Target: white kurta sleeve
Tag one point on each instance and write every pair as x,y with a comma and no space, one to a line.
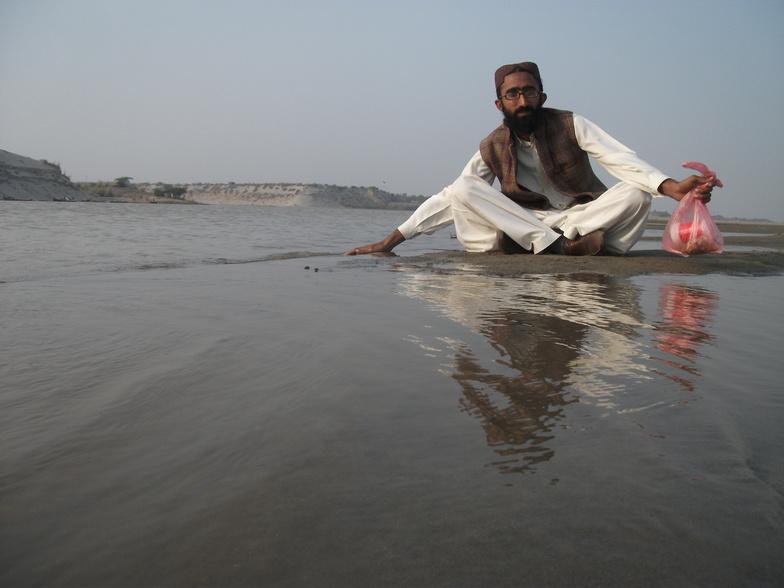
436,212
616,158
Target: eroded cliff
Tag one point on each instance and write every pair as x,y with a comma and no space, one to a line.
24,178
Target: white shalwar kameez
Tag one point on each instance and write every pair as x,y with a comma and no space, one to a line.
481,213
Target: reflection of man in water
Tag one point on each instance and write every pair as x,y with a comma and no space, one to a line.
557,339
549,200
540,348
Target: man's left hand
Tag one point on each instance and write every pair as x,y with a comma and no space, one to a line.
701,185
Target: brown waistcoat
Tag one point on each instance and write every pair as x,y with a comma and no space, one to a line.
565,164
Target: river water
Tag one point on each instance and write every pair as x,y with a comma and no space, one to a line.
213,395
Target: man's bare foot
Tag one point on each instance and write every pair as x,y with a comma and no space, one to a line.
590,244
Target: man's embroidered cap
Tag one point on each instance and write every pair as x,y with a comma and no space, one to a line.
505,70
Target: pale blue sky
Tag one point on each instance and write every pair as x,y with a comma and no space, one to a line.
391,94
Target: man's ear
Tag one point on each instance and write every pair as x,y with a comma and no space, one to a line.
498,105
542,98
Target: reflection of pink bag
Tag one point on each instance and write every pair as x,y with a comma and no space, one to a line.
691,230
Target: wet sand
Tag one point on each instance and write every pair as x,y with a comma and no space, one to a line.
767,257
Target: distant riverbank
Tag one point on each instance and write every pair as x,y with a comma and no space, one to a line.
302,195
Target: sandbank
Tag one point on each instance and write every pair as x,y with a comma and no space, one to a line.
762,243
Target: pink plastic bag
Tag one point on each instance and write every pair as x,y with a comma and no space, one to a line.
691,230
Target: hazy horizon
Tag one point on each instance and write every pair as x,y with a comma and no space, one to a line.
393,95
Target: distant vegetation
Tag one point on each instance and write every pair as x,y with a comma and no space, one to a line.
122,190
169,191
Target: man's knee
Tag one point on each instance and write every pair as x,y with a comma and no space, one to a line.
632,199
465,187
641,200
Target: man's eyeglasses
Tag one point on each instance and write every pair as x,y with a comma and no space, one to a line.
515,94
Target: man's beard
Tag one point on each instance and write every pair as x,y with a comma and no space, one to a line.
524,125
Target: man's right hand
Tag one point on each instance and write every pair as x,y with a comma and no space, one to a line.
382,248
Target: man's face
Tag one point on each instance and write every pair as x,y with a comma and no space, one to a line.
521,114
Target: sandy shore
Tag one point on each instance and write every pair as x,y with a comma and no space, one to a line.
767,239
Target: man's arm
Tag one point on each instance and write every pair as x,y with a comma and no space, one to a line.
394,239
617,158
433,214
625,165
